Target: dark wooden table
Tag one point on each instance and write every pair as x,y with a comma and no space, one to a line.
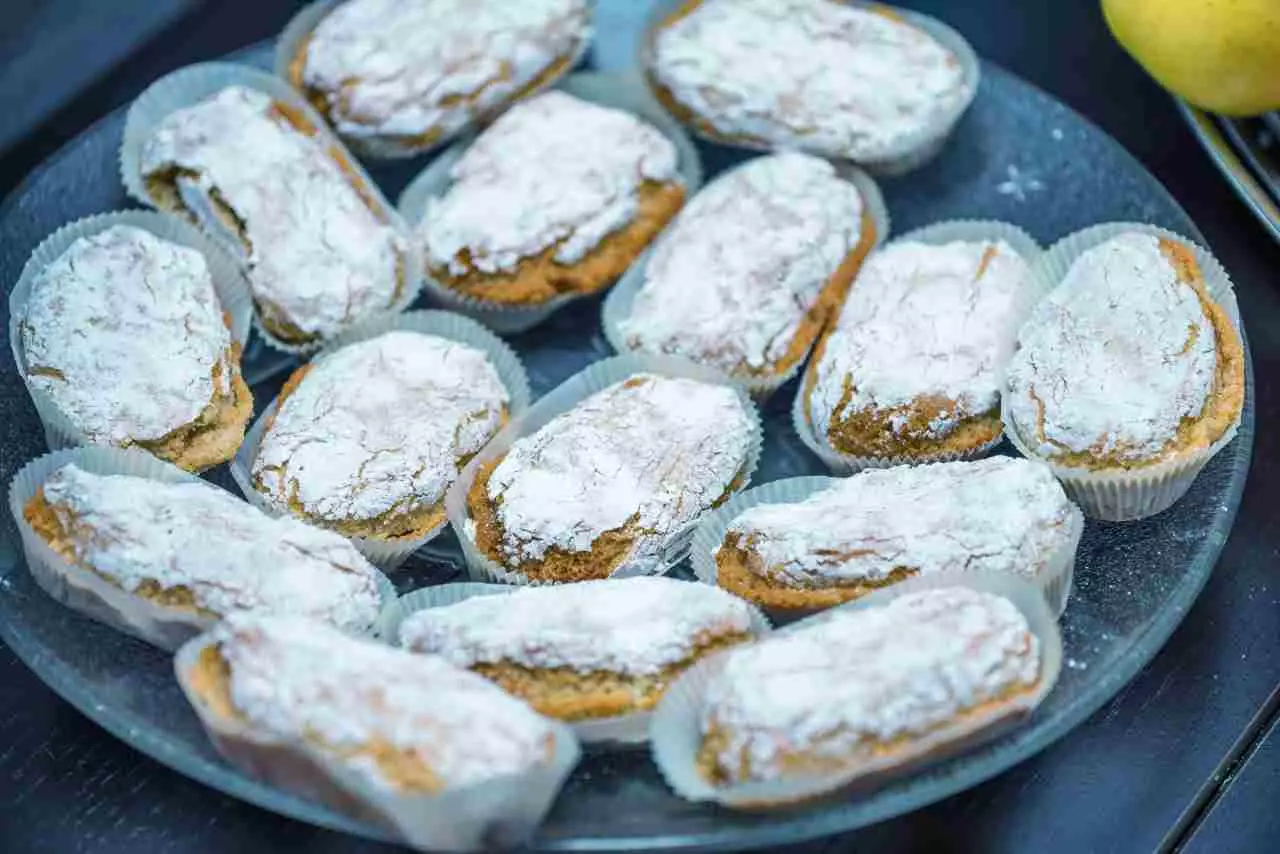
1186,756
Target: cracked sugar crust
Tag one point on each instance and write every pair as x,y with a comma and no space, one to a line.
629,468
1127,361
740,273
126,335
402,721
999,514
863,682
813,74
379,429
553,173
635,626
425,69
320,257
194,545
920,345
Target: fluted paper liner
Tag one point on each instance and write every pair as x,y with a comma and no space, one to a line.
1053,579
388,146
946,231
911,151
563,398
498,813
89,593
192,84
675,733
1120,495
388,555
621,298
228,283
618,729
608,90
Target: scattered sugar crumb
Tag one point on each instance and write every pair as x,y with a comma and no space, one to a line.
1019,184
1057,134
1073,664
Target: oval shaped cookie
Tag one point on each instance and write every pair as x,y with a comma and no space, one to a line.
912,368
125,334
366,440
751,270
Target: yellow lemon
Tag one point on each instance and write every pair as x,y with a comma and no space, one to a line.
1222,55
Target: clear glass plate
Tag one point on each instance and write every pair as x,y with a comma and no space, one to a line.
1019,155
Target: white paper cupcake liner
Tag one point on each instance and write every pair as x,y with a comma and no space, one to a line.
564,397
938,233
618,730
389,555
498,813
188,86
909,152
228,282
1127,495
383,146
1053,579
675,732
621,298
610,90
89,593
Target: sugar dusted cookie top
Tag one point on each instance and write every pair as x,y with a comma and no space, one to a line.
923,322
998,514
1115,358
296,679
319,256
413,67
553,171
126,335
632,626
380,426
813,74
731,280
848,685
649,454
230,556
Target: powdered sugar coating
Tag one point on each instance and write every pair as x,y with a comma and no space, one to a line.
731,280
299,680
814,74
1117,355
317,253
554,170
842,687
229,555
651,451
633,626
380,426
921,321
1000,514
123,331
413,67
